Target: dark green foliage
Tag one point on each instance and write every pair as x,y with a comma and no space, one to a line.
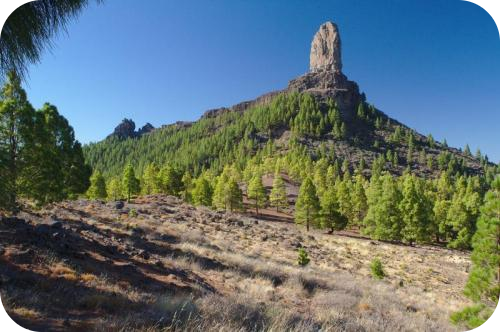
202,192
383,220
307,207
235,199
377,269
132,213
331,218
484,278
278,197
463,212
114,189
97,189
17,141
39,156
467,150
415,209
170,180
130,183
472,316
257,192
28,30
151,180
303,258
431,141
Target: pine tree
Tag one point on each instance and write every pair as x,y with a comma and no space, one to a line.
170,180
202,192
278,197
151,181
28,31
337,133
463,213
222,193
359,201
343,192
467,151
395,159
442,202
235,197
383,219
483,285
257,192
97,189
130,184
16,128
378,165
307,206
431,141
415,211
331,217
377,269
361,111
303,258
39,156
345,166
114,189
187,183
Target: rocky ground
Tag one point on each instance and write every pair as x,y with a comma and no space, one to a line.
160,264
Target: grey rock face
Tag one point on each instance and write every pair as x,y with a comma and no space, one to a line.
326,49
147,128
328,84
126,129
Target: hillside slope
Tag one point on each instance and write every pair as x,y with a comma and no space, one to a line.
319,114
159,263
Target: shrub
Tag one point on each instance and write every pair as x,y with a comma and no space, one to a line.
377,269
303,258
472,316
132,213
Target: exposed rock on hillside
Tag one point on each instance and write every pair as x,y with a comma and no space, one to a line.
329,84
148,127
326,49
325,79
126,129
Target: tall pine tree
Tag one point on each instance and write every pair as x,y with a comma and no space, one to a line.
307,207
130,184
278,197
483,285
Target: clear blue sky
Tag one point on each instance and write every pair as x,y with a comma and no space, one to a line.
433,65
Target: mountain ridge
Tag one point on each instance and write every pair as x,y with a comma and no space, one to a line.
337,115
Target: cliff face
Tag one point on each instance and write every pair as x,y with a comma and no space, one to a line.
326,49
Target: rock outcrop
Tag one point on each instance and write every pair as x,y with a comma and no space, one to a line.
326,49
324,80
147,128
126,129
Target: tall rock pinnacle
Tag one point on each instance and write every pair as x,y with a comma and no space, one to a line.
326,50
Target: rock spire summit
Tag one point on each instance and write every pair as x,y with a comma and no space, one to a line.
326,49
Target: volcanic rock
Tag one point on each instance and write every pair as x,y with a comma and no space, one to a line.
325,49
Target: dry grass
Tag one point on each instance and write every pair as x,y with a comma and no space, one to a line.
177,268
61,271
